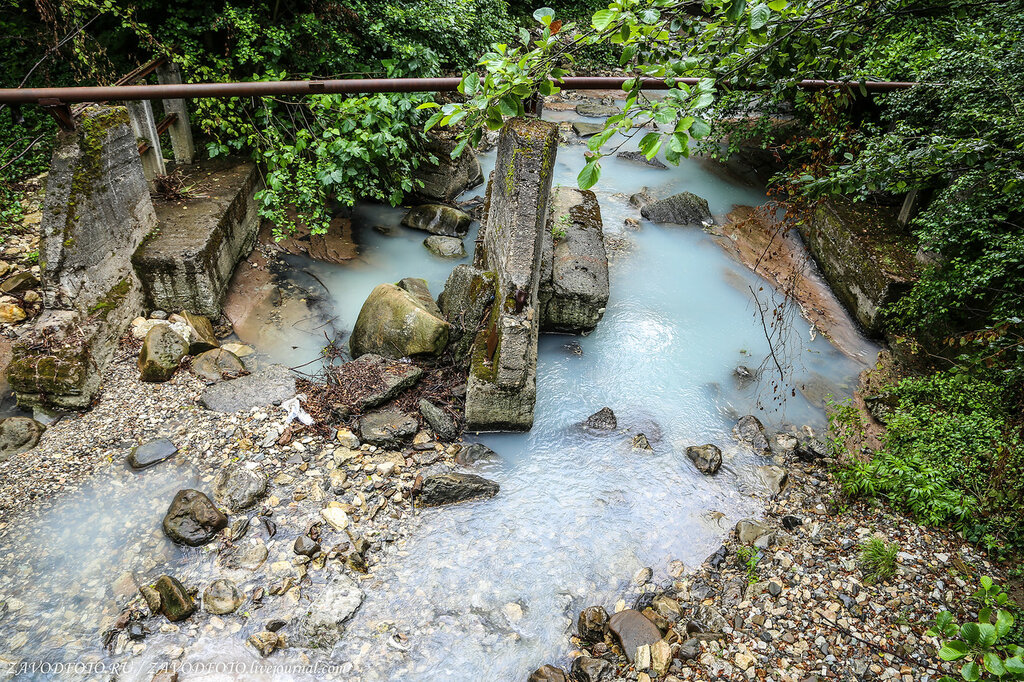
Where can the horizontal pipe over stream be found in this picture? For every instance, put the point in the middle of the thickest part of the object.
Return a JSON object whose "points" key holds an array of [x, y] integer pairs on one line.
{"points": [[51, 96]]}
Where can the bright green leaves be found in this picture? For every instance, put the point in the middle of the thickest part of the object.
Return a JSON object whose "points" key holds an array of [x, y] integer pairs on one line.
{"points": [[759, 16], [544, 15], [734, 9], [953, 650], [603, 18], [590, 174], [650, 144]]}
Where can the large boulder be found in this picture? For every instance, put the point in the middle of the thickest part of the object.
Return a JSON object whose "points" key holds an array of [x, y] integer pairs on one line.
{"points": [[394, 323], [270, 385], [451, 488], [193, 519], [466, 296], [239, 488], [161, 353], [323, 622], [684, 208], [18, 434], [446, 179], [438, 219], [707, 458], [633, 630]]}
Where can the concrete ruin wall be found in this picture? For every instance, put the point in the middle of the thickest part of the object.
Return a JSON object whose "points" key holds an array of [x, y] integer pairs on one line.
{"points": [[502, 388]]}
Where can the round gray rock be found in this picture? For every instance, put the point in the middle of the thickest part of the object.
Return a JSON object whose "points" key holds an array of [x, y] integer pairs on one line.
{"points": [[152, 452], [238, 488], [445, 247], [18, 434], [707, 458], [213, 364], [222, 596]]}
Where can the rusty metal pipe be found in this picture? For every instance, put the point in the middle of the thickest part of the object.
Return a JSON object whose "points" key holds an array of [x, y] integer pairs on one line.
{"points": [[349, 86]]}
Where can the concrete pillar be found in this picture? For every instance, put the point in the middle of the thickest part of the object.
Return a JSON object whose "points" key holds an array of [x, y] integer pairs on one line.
{"points": [[144, 127], [180, 131], [908, 209]]}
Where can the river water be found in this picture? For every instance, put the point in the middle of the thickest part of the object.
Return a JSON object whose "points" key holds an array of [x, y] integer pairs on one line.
{"points": [[489, 589]]}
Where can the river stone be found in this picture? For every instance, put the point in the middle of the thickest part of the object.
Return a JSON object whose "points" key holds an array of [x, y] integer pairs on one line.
{"points": [[472, 453], [684, 208], [212, 364], [152, 452], [239, 349], [203, 338], [548, 673], [602, 420], [248, 556], [592, 624], [265, 642], [305, 546], [221, 597], [11, 313], [387, 428], [394, 323], [19, 282], [238, 488], [451, 488], [371, 380], [162, 351], [336, 517], [641, 158], [597, 109], [640, 442], [322, 625], [192, 519], [589, 669], [438, 219], [585, 129], [270, 385], [750, 430], [749, 531], [633, 629], [448, 177], [442, 424], [418, 287], [773, 477], [175, 602], [445, 247], [18, 434], [707, 458]]}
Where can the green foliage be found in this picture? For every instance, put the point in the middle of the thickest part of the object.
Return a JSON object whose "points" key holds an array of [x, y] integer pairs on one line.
{"points": [[878, 559], [749, 557], [986, 645]]}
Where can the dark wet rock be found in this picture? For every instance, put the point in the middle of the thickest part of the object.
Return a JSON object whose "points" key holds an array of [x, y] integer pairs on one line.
{"points": [[633, 629], [239, 488], [192, 519], [684, 208], [750, 531], [18, 434], [707, 458], [222, 596], [548, 673], [438, 219], [265, 642], [474, 452], [306, 546], [322, 625], [750, 430], [597, 109], [212, 365], [175, 602], [387, 428], [641, 158], [689, 649], [718, 558], [592, 624], [442, 424], [446, 179], [270, 385], [395, 323], [162, 351], [136, 632], [792, 522], [372, 380], [811, 450], [584, 129], [203, 338], [451, 488], [773, 477], [276, 624], [445, 247], [238, 528], [602, 420], [150, 453], [589, 669], [744, 374]]}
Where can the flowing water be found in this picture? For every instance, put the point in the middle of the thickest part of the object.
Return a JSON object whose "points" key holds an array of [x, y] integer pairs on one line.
{"points": [[488, 590]]}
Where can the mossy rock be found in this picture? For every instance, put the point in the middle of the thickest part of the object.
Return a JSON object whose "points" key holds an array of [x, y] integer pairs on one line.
{"points": [[161, 353], [394, 323]]}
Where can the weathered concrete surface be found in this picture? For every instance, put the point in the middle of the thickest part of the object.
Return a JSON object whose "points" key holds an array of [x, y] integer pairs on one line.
{"points": [[574, 270], [867, 258], [449, 177], [96, 212], [464, 301], [189, 263], [502, 386]]}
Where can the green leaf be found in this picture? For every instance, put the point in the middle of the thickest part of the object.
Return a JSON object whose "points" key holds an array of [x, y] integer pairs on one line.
{"points": [[777, 5], [953, 650], [597, 141], [589, 175], [603, 18], [759, 16], [428, 105], [971, 632], [650, 144], [971, 672], [994, 664], [433, 120], [544, 15], [734, 9], [470, 85], [1004, 621], [700, 129], [988, 634], [986, 582], [1014, 666]]}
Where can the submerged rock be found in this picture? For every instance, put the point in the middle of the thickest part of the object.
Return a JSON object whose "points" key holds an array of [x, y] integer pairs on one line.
{"points": [[175, 602], [152, 452], [221, 597], [684, 208], [592, 624], [270, 385], [213, 364], [750, 430], [548, 673], [442, 424], [442, 489], [597, 109], [265, 642], [641, 158], [707, 458], [640, 442], [387, 428], [602, 420], [238, 488], [438, 219], [161, 353], [633, 630], [394, 323], [445, 247], [192, 519], [19, 434], [322, 625], [474, 452]]}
